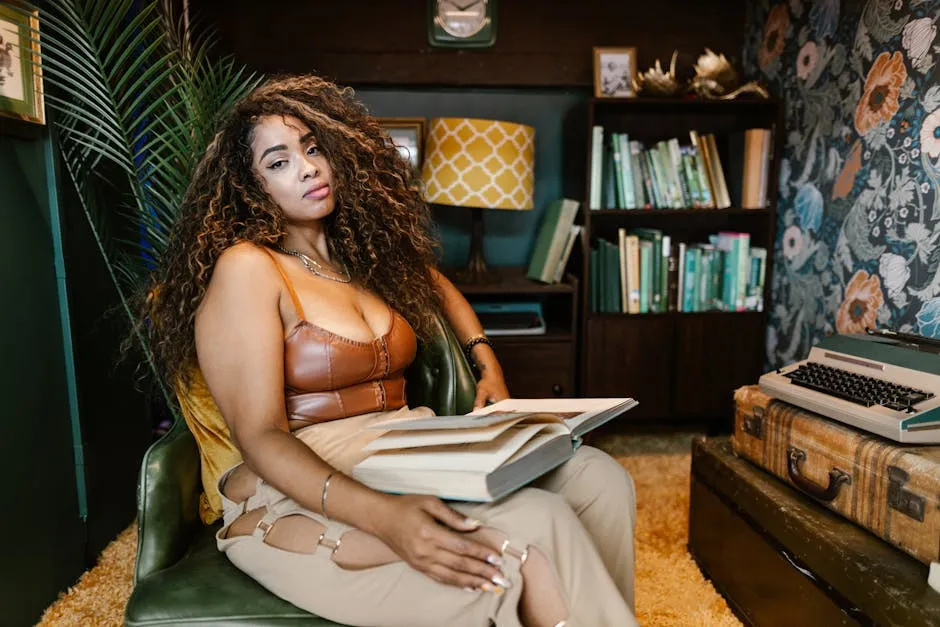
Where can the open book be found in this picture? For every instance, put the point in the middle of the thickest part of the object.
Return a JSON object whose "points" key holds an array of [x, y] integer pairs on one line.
{"points": [[486, 454]]}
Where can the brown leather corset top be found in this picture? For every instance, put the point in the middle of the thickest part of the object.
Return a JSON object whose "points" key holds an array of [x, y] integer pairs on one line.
{"points": [[328, 376]]}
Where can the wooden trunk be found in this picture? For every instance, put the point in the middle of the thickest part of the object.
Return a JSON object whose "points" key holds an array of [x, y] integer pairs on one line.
{"points": [[781, 559], [890, 489]]}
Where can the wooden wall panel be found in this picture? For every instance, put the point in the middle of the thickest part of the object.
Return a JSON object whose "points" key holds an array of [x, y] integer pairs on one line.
{"points": [[538, 43]]}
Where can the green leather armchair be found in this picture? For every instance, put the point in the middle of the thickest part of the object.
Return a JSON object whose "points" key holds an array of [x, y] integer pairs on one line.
{"points": [[180, 577]]}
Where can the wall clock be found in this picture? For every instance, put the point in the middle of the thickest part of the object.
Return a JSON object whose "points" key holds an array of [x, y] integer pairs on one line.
{"points": [[462, 23]]}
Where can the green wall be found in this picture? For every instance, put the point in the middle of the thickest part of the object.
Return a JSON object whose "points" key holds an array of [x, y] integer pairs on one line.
{"points": [[44, 536], [509, 235]]}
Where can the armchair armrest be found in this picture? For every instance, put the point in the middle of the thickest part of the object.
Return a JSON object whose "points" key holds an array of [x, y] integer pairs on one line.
{"points": [[440, 377], [167, 500]]}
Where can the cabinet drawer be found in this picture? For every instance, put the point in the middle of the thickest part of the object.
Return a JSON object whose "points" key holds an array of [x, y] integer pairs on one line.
{"points": [[536, 369]]}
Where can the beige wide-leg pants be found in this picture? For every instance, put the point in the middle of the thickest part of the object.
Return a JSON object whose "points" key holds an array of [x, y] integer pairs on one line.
{"points": [[581, 516]]}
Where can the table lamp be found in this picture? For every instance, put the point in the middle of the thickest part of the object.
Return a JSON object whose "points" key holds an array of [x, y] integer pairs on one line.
{"points": [[480, 164]]}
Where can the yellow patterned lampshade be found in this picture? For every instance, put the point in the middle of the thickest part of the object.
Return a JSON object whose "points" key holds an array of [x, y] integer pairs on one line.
{"points": [[485, 164]]}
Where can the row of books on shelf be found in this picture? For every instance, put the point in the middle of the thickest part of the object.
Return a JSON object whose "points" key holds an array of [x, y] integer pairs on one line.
{"points": [[626, 174], [647, 272]]}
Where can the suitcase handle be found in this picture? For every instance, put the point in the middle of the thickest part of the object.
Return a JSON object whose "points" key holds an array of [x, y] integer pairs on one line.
{"points": [[836, 477]]}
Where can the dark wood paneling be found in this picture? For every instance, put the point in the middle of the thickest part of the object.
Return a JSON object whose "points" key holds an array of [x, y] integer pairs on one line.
{"points": [[715, 354], [364, 42], [631, 356]]}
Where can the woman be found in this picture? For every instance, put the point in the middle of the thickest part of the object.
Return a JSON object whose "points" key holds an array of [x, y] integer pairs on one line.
{"points": [[296, 285]]}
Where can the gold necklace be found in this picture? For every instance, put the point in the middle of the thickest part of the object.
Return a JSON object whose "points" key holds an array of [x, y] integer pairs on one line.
{"points": [[313, 265]]}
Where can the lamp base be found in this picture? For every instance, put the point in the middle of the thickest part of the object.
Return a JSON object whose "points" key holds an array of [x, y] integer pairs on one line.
{"points": [[476, 271]]}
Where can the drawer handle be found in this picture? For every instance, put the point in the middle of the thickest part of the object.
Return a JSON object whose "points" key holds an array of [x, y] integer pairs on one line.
{"points": [[836, 477]]}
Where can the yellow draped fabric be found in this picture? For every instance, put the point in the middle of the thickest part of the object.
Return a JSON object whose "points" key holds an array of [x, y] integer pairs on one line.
{"points": [[217, 453]]}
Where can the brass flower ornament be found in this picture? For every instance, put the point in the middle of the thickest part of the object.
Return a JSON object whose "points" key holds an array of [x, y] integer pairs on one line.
{"points": [[655, 82], [715, 78]]}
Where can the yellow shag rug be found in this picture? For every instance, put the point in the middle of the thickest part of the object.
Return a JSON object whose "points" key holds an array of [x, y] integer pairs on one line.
{"points": [[670, 589]]}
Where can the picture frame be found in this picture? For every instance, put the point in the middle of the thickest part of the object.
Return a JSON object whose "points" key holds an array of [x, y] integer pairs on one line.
{"points": [[614, 71], [408, 135], [21, 87]]}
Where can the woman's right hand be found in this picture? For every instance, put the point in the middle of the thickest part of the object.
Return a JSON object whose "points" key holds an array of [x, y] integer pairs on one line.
{"points": [[432, 538]]}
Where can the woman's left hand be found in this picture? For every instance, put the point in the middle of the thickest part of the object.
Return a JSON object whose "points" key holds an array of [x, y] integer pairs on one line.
{"points": [[489, 390]]}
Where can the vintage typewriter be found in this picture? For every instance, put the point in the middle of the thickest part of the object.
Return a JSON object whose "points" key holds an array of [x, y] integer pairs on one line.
{"points": [[884, 382]]}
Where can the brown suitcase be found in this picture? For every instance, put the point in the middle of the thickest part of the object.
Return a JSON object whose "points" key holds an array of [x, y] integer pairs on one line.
{"points": [[890, 489]]}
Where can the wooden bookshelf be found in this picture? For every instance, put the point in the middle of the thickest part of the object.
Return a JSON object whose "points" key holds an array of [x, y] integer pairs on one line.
{"points": [[681, 366]]}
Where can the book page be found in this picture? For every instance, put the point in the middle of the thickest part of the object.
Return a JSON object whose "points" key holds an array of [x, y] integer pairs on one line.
{"points": [[579, 414], [470, 456], [472, 420], [410, 437], [442, 430]]}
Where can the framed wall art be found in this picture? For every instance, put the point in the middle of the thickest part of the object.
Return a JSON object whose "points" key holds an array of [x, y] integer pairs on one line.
{"points": [[614, 71], [20, 66], [408, 135]]}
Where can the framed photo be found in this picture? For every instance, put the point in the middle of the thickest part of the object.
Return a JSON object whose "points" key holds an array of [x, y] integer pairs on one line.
{"points": [[408, 135], [20, 69], [614, 71]]}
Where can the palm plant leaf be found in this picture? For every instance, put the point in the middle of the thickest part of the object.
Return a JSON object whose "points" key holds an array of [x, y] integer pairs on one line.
{"points": [[135, 101]]}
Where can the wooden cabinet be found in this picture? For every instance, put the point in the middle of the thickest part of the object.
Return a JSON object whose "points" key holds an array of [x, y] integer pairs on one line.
{"points": [[535, 366], [681, 367], [630, 358]]}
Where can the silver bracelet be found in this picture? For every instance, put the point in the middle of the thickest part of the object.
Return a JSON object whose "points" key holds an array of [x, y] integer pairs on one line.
{"points": [[326, 488]]}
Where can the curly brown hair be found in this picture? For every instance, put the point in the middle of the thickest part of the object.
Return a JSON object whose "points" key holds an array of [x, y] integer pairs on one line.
{"points": [[380, 229]]}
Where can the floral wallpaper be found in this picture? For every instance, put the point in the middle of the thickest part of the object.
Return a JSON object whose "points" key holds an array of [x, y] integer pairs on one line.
{"points": [[858, 231]]}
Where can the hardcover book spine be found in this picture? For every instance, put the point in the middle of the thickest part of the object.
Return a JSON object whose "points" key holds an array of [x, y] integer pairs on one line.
{"points": [[629, 186], [618, 171], [640, 189], [633, 273], [672, 287], [597, 167], [743, 241], [646, 256], [689, 283]]}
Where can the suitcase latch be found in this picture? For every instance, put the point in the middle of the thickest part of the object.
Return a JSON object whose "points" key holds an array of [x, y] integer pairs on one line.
{"points": [[754, 424], [904, 501]]}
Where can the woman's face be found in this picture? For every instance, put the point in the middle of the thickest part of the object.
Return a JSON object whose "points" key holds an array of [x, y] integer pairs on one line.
{"points": [[293, 171]]}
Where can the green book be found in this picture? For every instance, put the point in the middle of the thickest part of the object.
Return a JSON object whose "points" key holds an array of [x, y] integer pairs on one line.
{"points": [[646, 257], [597, 166], [627, 162], [618, 171], [612, 277], [655, 237], [551, 239]]}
